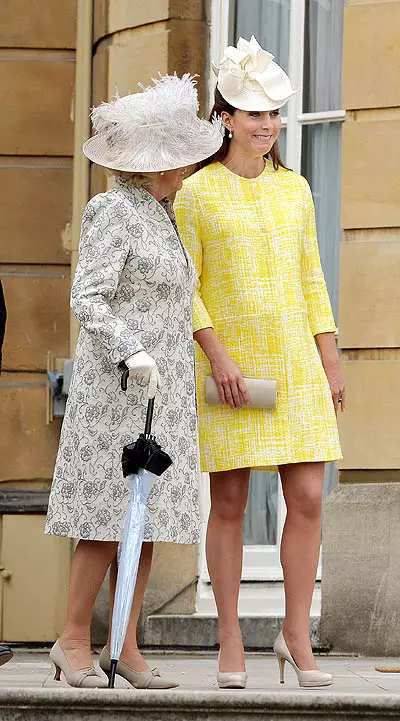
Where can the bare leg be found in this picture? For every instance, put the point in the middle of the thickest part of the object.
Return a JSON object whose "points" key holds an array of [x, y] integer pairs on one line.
{"points": [[130, 652], [302, 488], [89, 566], [224, 549]]}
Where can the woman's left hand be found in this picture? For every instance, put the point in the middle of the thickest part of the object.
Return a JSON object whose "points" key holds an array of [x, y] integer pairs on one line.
{"points": [[336, 384]]}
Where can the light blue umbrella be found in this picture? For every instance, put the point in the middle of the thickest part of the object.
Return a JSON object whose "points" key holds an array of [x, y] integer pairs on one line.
{"points": [[140, 484], [142, 463]]}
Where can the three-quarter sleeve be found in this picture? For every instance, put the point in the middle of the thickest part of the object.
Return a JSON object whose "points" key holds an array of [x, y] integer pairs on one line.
{"points": [[187, 213], [103, 251], [319, 308]]}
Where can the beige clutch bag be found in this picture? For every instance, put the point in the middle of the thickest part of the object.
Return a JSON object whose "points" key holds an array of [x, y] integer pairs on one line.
{"points": [[262, 392]]}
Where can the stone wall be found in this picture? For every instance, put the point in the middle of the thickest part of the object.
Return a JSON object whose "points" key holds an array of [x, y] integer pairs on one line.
{"points": [[37, 66], [360, 583], [37, 72]]}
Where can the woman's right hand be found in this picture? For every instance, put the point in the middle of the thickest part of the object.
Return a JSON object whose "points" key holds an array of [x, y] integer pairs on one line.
{"points": [[232, 389], [144, 368]]}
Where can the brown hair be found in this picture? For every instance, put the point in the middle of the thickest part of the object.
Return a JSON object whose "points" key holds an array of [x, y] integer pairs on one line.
{"points": [[221, 105]]}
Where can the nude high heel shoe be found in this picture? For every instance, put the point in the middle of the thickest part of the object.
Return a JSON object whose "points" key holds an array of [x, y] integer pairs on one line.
{"points": [[83, 678], [151, 678], [306, 679], [231, 679]]}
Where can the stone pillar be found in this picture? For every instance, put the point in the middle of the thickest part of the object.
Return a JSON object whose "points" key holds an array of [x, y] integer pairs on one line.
{"points": [[37, 69], [361, 544], [133, 42]]}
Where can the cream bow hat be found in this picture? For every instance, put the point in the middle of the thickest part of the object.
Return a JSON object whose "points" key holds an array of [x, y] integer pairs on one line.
{"points": [[248, 79], [153, 130]]}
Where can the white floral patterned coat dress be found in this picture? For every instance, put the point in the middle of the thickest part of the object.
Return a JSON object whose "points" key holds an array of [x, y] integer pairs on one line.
{"points": [[133, 290]]}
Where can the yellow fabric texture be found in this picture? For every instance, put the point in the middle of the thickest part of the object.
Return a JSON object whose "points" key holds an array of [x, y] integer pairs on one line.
{"points": [[262, 289]]}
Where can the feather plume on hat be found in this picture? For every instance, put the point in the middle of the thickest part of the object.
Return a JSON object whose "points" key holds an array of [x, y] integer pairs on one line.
{"points": [[153, 130]]}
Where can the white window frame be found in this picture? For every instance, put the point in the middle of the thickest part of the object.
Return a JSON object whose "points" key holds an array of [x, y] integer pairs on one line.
{"points": [[295, 118], [262, 593]]}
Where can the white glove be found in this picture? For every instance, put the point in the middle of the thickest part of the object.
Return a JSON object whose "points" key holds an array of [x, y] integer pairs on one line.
{"points": [[144, 368]]}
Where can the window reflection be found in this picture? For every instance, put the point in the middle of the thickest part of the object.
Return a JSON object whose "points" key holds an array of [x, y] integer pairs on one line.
{"points": [[261, 516], [321, 166], [323, 37], [282, 144], [269, 21]]}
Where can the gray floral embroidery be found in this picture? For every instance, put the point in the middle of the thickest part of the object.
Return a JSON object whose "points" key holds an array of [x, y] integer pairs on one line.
{"points": [[133, 289]]}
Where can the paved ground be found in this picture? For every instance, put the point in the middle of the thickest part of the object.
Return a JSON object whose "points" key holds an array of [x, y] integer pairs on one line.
{"points": [[352, 675]]}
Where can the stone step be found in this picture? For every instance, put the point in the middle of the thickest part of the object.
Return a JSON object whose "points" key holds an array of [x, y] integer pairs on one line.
{"points": [[184, 631], [126, 705]]}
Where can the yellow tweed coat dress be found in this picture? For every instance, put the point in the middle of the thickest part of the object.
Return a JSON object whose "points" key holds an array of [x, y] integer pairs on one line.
{"points": [[262, 289]]}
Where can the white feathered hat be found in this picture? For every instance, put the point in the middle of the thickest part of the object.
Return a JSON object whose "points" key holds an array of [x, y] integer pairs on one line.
{"points": [[153, 130], [248, 79]]}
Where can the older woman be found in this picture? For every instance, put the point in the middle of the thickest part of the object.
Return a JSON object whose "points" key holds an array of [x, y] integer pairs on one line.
{"points": [[132, 294], [262, 311]]}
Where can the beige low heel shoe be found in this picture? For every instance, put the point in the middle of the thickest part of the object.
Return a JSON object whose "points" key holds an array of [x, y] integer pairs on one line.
{"points": [[151, 678], [83, 678], [231, 679], [306, 679]]}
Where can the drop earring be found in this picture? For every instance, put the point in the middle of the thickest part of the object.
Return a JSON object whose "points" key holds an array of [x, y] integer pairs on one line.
{"points": [[161, 172], [230, 134]]}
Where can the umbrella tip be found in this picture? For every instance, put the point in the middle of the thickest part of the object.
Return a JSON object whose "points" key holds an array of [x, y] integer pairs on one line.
{"points": [[112, 672]]}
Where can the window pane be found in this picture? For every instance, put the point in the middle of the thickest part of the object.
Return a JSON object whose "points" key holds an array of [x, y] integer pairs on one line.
{"points": [[323, 35], [331, 479], [261, 516], [321, 166], [282, 144], [268, 20]]}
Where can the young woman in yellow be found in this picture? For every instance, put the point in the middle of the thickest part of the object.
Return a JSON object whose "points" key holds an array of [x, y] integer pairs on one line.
{"points": [[262, 311]]}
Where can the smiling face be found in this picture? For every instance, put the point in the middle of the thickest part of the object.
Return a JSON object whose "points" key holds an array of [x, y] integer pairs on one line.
{"points": [[253, 132]]}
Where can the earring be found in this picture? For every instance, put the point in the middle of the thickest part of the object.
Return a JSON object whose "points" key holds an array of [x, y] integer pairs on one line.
{"points": [[162, 172], [230, 134]]}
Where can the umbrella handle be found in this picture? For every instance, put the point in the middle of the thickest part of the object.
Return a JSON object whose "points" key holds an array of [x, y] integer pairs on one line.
{"points": [[150, 405], [125, 375], [124, 379]]}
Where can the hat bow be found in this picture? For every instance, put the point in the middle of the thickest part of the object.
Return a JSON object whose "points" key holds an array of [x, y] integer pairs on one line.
{"points": [[247, 64]]}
